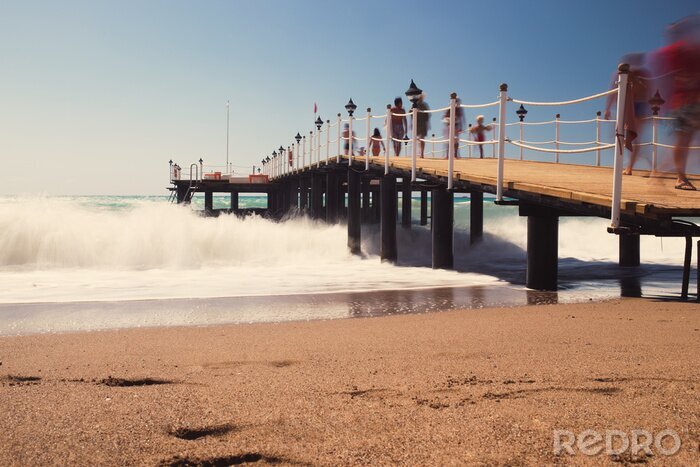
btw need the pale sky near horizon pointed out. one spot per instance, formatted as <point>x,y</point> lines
<point>97,96</point>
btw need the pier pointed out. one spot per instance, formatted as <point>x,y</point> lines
<point>317,182</point>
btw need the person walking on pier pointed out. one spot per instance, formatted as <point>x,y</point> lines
<point>376,144</point>
<point>349,141</point>
<point>399,125</point>
<point>459,127</point>
<point>636,113</point>
<point>681,59</point>
<point>479,131</point>
<point>422,122</point>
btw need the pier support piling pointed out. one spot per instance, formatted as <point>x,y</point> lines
<point>423,207</point>
<point>354,212</point>
<point>629,250</point>
<point>365,201</point>
<point>234,202</point>
<point>208,202</point>
<point>686,267</point>
<point>181,193</point>
<point>542,251</point>
<point>332,193</point>
<point>406,203</point>
<point>442,202</point>
<point>303,194</point>
<point>476,217</point>
<point>387,228</point>
<point>316,196</point>
<point>293,194</point>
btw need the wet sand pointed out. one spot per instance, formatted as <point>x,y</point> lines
<point>481,386</point>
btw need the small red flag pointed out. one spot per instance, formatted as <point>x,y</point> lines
<point>315,108</point>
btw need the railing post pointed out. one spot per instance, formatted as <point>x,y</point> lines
<point>369,137</point>
<point>597,138</point>
<point>328,141</point>
<point>311,148</point>
<point>451,142</point>
<point>469,146</point>
<point>623,70</point>
<point>414,155</point>
<point>521,138</point>
<point>501,139</point>
<point>493,146</point>
<point>653,141</point>
<point>351,140</point>
<point>655,102</point>
<point>337,159</point>
<point>556,136</point>
<point>389,141</point>
<point>432,146</point>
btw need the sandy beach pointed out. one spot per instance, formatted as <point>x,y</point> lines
<point>484,386</point>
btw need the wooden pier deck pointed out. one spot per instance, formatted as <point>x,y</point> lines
<point>572,185</point>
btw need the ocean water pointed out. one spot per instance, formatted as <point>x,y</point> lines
<point>80,263</point>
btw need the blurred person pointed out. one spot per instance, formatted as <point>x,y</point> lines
<point>399,124</point>
<point>422,122</point>
<point>376,144</point>
<point>681,61</point>
<point>348,142</point>
<point>479,131</point>
<point>637,105</point>
<point>459,127</point>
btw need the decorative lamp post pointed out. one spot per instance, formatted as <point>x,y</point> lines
<point>413,93</point>
<point>319,124</point>
<point>521,115</point>
<point>201,168</point>
<point>298,138</point>
<point>350,107</point>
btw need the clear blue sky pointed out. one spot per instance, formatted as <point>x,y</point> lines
<point>96,96</point>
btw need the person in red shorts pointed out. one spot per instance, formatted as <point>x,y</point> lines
<point>681,61</point>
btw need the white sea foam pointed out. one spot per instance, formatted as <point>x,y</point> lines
<point>84,249</point>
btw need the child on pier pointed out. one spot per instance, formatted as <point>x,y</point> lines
<point>376,143</point>
<point>479,131</point>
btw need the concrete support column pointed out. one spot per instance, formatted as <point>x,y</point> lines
<point>406,203</point>
<point>629,250</point>
<point>295,194</point>
<point>234,202</point>
<point>208,202</point>
<point>423,207</point>
<point>332,183</point>
<point>354,212</point>
<point>443,223</point>
<point>342,208</point>
<point>476,217</point>
<point>376,204</point>
<point>365,200</point>
<point>316,196</point>
<point>181,193</point>
<point>303,194</point>
<point>542,252</point>
<point>387,228</point>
